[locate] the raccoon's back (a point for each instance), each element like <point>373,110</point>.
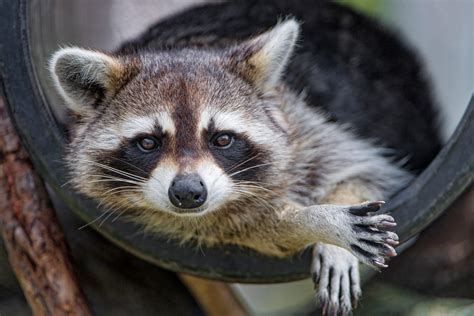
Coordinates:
<point>347,64</point>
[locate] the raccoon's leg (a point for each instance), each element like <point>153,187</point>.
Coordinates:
<point>363,236</point>
<point>335,271</point>
<point>347,226</point>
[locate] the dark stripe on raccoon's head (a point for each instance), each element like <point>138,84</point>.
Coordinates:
<point>185,117</point>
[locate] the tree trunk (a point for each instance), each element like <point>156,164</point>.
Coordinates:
<point>35,243</point>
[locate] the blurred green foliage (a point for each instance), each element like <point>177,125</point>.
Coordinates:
<point>369,7</point>
<point>387,300</point>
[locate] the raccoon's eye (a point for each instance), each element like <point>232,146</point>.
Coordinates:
<point>148,143</point>
<point>222,140</point>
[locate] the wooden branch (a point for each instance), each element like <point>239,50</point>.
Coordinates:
<point>36,247</point>
<point>215,298</point>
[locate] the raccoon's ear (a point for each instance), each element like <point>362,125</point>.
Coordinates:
<point>84,77</point>
<point>262,59</point>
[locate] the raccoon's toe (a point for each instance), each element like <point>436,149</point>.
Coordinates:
<point>356,291</point>
<point>365,208</point>
<point>373,251</point>
<point>345,298</point>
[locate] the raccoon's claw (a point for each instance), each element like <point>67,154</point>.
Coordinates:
<point>365,208</point>
<point>335,274</point>
<point>371,241</point>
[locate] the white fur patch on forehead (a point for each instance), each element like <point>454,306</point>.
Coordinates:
<point>136,125</point>
<point>223,121</point>
<point>258,131</point>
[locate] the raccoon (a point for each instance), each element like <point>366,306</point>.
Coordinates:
<point>226,124</point>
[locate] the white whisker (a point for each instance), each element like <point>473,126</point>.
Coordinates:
<point>249,168</point>
<point>118,171</point>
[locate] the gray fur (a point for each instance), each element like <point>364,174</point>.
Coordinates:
<point>307,158</point>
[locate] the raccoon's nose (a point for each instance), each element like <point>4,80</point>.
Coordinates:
<point>187,191</point>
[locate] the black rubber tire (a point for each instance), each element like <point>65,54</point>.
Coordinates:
<point>415,207</point>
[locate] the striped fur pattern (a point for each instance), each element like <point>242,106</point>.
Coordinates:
<point>291,176</point>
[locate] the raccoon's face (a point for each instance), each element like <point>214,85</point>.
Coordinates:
<point>184,132</point>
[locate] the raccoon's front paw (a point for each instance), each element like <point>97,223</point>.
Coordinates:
<point>335,273</point>
<point>369,240</point>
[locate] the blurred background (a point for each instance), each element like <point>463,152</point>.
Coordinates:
<point>437,280</point>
